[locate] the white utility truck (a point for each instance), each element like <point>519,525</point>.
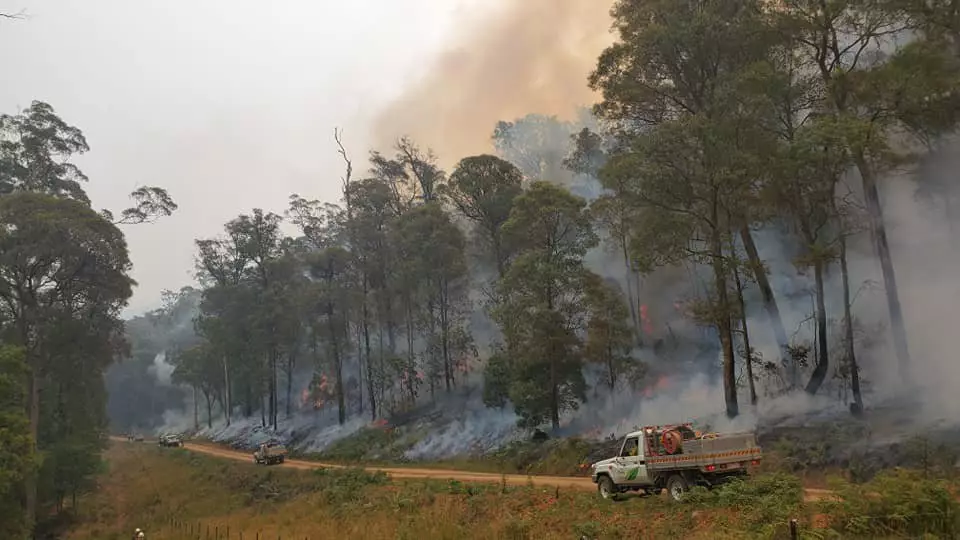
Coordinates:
<point>675,457</point>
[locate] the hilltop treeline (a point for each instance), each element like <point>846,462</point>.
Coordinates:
<point>717,119</point>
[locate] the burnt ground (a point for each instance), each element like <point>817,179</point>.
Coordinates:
<point>885,437</point>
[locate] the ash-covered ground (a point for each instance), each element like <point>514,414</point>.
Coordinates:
<point>822,437</point>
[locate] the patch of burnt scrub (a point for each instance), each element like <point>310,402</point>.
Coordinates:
<point>862,448</point>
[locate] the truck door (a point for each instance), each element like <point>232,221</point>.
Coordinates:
<point>631,468</point>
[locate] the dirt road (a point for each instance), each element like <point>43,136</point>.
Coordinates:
<point>810,494</point>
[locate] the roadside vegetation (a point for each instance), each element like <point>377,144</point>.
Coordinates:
<point>165,490</point>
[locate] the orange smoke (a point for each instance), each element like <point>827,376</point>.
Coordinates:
<point>532,56</point>
<point>663,383</point>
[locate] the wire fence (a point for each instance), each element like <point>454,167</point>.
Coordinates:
<point>176,529</point>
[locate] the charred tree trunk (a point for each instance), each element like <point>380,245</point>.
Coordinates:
<point>196,409</point>
<point>879,230</point>
<point>748,351</point>
<point>227,395</point>
<point>554,380</point>
<point>611,369</point>
<point>371,394</point>
<point>857,406</point>
<point>445,333</point>
<point>263,412</point>
<point>724,326</point>
<point>823,364</point>
<point>206,395</point>
<point>291,364</point>
<point>769,300</point>
<point>335,351</point>
<point>360,367</point>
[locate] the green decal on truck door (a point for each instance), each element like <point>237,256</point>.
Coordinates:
<point>632,474</point>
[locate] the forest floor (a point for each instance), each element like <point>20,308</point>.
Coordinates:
<point>183,493</point>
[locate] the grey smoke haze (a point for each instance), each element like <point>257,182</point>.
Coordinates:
<point>230,104</point>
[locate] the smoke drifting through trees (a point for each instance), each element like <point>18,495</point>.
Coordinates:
<point>384,322</point>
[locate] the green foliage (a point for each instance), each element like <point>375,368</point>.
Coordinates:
<point>895,504</point>
<point>483,189</point>
<point>16,447</point>
<point>768,502</point>
<point>609,340</point>
<point>540,303</point>
<point>63,282</point>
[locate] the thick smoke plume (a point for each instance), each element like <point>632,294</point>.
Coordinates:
<point>529,56</point>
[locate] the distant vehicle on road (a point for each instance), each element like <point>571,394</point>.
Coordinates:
<point>270,453</point>
<point>675,457</point>
<point>170,440</point>
<point>138,438</point>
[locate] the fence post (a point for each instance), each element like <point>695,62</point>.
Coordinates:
<point>794,532</point>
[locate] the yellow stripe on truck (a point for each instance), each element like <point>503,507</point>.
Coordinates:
<point>698,457</point>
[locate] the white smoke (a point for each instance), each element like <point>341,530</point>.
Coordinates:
<point>161,369</point>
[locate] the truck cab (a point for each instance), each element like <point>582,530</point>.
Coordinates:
<point>674,457</point>
<point>626,471</point>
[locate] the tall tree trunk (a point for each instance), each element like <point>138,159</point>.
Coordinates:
<point>445,333</point>
<point>206,395</point>
<point>291,364</point>
<point>371,394</point>
<point>263,412</point>
<point>857,406</point>
<point>611,369</point>
<point>411,357</point>
<point>33,413</point>
<point>634,316</point>
<point>769,301</point>
<point>228,404</point>
<point>337,364</point>
<point>724,326</point>
<point>879,230</point>
<point>820,372</point>
<point>360,367</point>
<point>748,351</point>
<point>196,409</point>
<point>554,379</point>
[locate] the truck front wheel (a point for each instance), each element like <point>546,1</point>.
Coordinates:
<point>677,487</point>
<point>606,488</point>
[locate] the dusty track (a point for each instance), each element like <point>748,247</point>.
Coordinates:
<point>810,494</point>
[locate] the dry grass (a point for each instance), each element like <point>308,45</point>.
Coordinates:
<point>152,488</point>
<point>170,492</point>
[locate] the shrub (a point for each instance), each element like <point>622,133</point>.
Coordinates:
<point>897,504</point>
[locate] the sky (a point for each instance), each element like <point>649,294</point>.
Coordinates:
<point>228,104</point>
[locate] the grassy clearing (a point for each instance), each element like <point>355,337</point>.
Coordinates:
<point>147,487</point>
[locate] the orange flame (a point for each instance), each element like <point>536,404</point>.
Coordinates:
<point>645,318</point>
